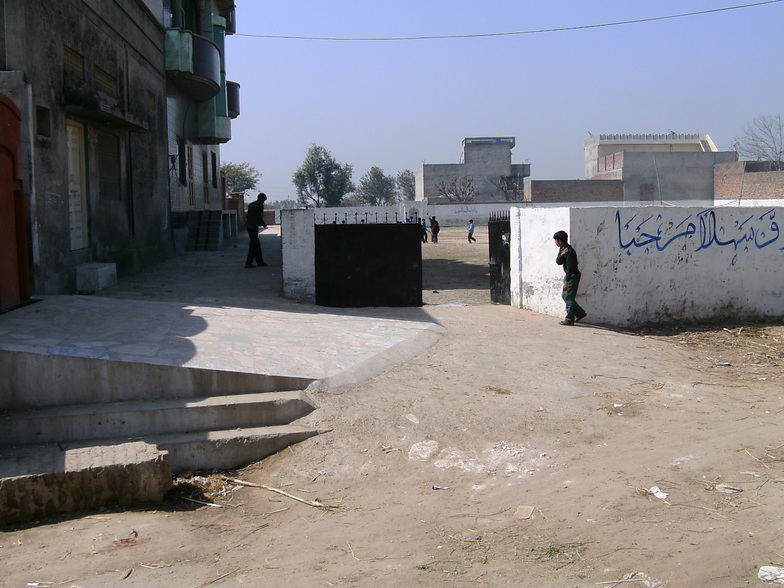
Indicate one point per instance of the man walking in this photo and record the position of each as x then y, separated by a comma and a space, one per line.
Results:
471, 231
253, 220
567, 257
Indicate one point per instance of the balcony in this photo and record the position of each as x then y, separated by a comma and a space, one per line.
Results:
233, 98
193, 63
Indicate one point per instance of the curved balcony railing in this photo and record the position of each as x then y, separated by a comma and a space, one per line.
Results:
193, 63
233, 98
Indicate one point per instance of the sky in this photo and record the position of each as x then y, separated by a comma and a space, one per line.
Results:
397, 104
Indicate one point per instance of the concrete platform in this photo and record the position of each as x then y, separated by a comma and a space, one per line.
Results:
179, 359
170, 349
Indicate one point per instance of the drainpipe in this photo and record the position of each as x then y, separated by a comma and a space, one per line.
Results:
32, 190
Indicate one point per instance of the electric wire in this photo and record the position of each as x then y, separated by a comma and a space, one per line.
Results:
512, 33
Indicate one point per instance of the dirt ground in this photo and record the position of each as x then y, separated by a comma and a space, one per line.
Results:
514, 452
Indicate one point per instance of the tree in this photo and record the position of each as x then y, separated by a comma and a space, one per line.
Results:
287, 204
763, 140
321, 180
459, 189
406, 184
240, 177
376, 188
512, 187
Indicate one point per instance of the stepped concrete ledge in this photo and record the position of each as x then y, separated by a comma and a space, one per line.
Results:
151, 349
225, 450
133, 419
41, 481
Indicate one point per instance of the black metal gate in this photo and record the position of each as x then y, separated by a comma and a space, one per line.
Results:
499, 231
368, 265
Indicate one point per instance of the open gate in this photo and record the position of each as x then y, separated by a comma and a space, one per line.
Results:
499, 231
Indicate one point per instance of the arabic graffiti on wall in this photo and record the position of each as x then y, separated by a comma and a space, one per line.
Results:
698, 232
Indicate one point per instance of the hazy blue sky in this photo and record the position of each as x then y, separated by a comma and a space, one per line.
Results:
398, 104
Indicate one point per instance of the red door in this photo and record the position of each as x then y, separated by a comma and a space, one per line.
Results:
14, 287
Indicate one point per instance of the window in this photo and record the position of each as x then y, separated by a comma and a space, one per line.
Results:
109, 166
182, 158
214, 170
205, 176
43, 121
73, 62
106, 82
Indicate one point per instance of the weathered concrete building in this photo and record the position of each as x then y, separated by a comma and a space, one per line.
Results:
657, 167
201, 103
485, 163
122, 105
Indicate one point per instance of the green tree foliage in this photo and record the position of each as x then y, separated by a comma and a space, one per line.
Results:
763, 140
240, 177
376, 188
321, 180
406, 184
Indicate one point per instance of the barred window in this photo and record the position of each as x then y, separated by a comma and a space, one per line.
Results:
73, 62
106, 82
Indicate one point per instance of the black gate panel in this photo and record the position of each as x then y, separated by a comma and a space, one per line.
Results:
368, 265
499, 231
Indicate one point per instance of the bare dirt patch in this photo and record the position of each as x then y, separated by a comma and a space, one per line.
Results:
513, 452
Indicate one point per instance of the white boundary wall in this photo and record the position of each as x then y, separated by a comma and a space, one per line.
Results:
298, 237
650, 264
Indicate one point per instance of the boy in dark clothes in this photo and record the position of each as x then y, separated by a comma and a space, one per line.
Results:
567, 257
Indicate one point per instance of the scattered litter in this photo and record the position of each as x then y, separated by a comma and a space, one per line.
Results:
523, 512
317, 503
423, 450
412, 418
634, 578
721, 363
767, 574
388, 448
727, 489
657, 492
618, 405
440, 487
126, 573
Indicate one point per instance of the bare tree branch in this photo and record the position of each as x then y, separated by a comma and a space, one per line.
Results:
763, 140
460, 189
512, 187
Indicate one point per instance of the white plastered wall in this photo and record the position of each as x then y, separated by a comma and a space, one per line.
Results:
644, 265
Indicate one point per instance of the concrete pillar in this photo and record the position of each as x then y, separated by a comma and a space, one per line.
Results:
299, 266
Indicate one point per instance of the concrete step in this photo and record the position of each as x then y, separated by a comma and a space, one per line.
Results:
146, 418
46, 480
220, 450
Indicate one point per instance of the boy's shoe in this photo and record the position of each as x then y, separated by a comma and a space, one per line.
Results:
580, 317
567, 323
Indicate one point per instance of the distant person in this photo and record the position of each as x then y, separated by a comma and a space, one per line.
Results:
567, 257
471, 231
253, 220
424, 231
435, 228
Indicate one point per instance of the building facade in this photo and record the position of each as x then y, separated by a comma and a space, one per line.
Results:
485, 168
121, 118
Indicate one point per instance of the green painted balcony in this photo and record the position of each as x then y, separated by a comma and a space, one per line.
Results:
193, 63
